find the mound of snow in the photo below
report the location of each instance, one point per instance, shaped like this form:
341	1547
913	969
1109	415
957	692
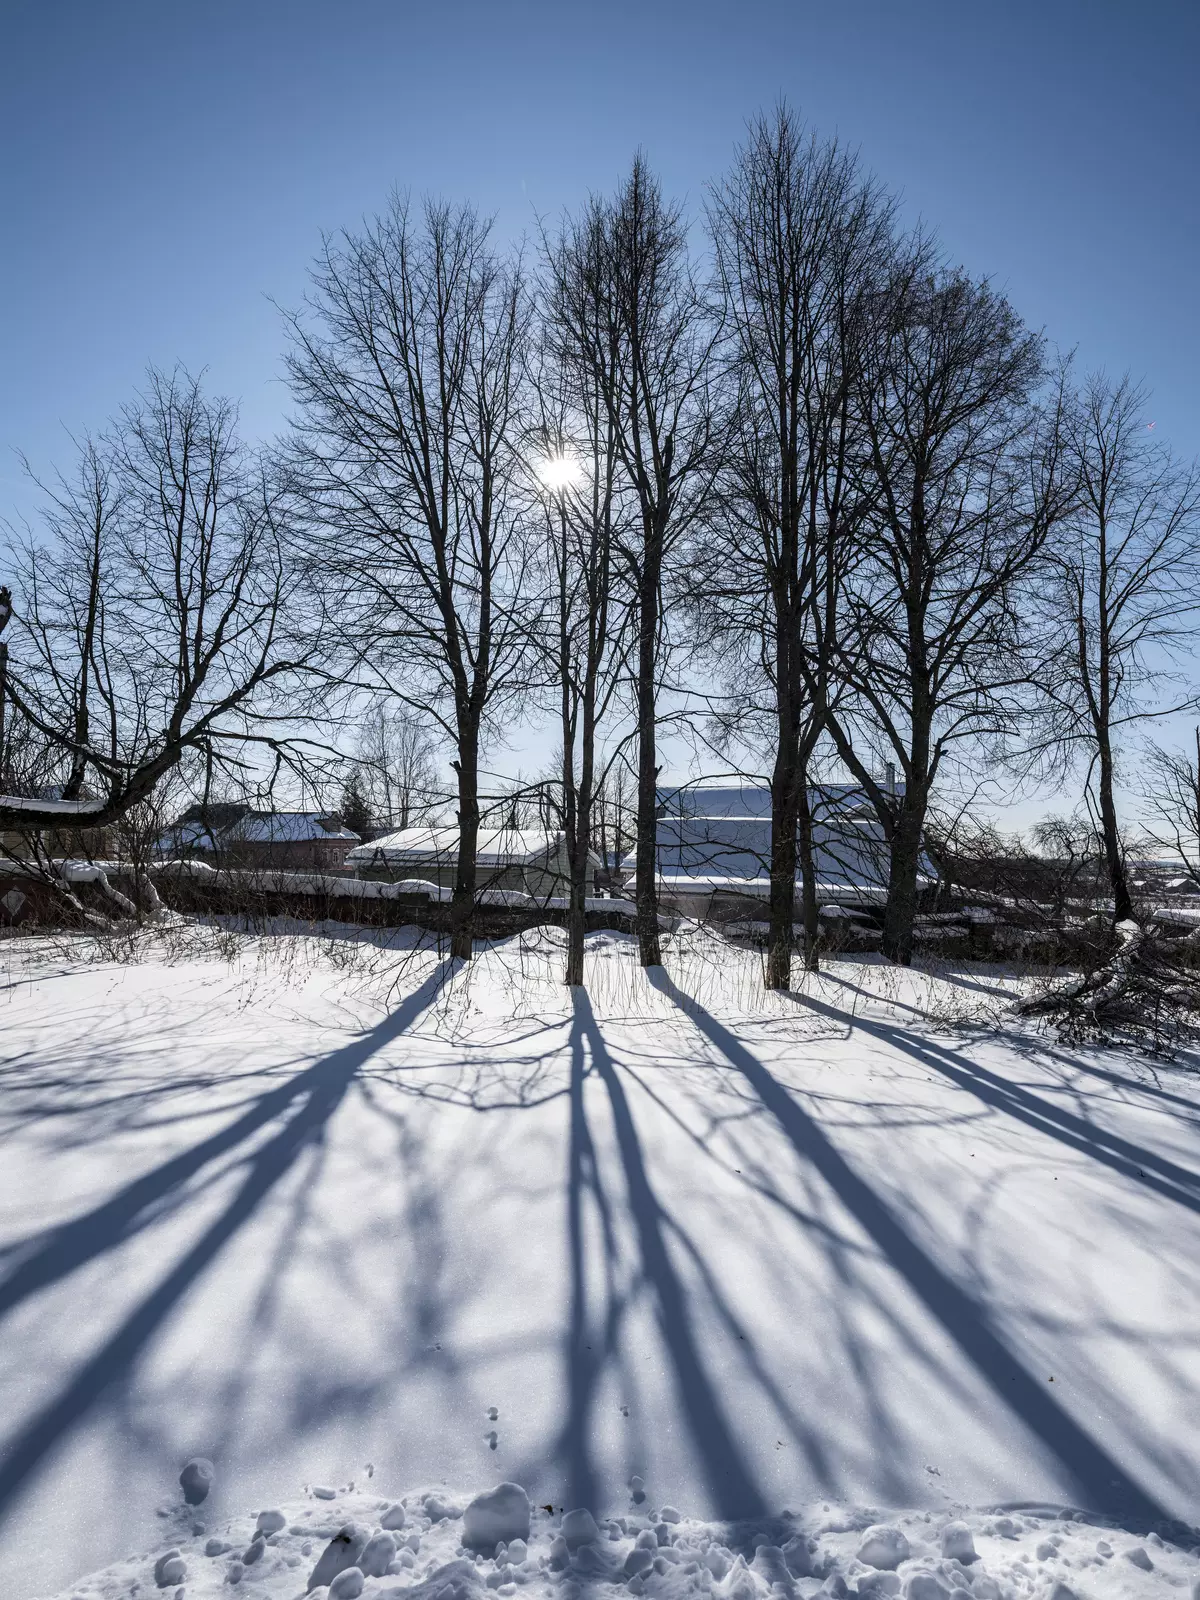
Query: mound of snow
501	1545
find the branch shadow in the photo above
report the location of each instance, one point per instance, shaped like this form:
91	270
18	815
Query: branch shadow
734	1488
320	1089
589	1343
1102	1483
1132	1161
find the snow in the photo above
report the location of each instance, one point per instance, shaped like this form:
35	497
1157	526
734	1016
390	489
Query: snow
496	847
795	1555
329	883
497	1516
52	808
883	1547
270	827
300	1203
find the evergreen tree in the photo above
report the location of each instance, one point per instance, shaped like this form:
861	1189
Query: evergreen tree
356	808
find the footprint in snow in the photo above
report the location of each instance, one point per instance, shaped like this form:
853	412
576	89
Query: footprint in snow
493	1439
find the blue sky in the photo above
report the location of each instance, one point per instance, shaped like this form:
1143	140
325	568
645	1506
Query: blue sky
168	167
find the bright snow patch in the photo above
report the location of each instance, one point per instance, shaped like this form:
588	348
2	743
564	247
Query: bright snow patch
295	1203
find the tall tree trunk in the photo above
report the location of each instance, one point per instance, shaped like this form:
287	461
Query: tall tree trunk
3	695
462	905
808	875
785	803
646	858
1114	857
579	843
905	856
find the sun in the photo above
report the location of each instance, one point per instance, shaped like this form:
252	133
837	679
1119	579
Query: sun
560	472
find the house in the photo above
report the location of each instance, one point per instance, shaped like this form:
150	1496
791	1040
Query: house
512	860
63	840
714	848
232	835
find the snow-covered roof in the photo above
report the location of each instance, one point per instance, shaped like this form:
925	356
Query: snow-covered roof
714	799
273	827
850	852
58	808
497	847
289	827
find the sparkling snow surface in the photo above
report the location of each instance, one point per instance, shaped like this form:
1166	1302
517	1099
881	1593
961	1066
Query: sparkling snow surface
299	1205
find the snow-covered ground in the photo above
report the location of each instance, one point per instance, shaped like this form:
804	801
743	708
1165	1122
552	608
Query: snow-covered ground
425	1547
305	1205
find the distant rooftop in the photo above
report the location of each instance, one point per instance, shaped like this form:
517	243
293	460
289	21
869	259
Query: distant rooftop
255	827
717	798
498	847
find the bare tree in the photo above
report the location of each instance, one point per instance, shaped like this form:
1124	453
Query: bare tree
584	641
156	614
579	557
1172	794
1122	596
396	757
647	341
799	237
963	471
5	619
614	816
407	370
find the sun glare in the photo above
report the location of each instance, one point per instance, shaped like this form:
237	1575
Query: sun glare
560	472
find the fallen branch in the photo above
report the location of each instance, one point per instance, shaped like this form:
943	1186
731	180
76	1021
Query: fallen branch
1145	992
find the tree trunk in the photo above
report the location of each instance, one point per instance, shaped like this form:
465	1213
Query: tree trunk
578	845
808	876
1114	858
3	692
901	907
785	802
462	906
649	951
579	842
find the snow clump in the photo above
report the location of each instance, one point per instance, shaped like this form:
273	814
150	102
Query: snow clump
196	1480
342	1552
499	1516
958	1543
883	1546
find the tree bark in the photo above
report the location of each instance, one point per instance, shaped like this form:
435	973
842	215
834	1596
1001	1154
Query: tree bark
462	905
905	856
785	806
1114	857
646	859
810	906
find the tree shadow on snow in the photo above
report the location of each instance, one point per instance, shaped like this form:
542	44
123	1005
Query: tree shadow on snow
730	1479
1130	1160
1101	1482
312	1097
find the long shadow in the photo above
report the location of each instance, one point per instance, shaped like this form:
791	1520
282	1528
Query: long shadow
736	1493
75	1243
1102	1483
1133	1161
588	1346
323	1087
1033	1048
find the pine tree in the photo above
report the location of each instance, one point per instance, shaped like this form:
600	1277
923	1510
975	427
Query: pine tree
356	808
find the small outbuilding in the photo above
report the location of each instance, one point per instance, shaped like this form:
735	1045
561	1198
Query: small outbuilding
509	860
714	848
235	836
